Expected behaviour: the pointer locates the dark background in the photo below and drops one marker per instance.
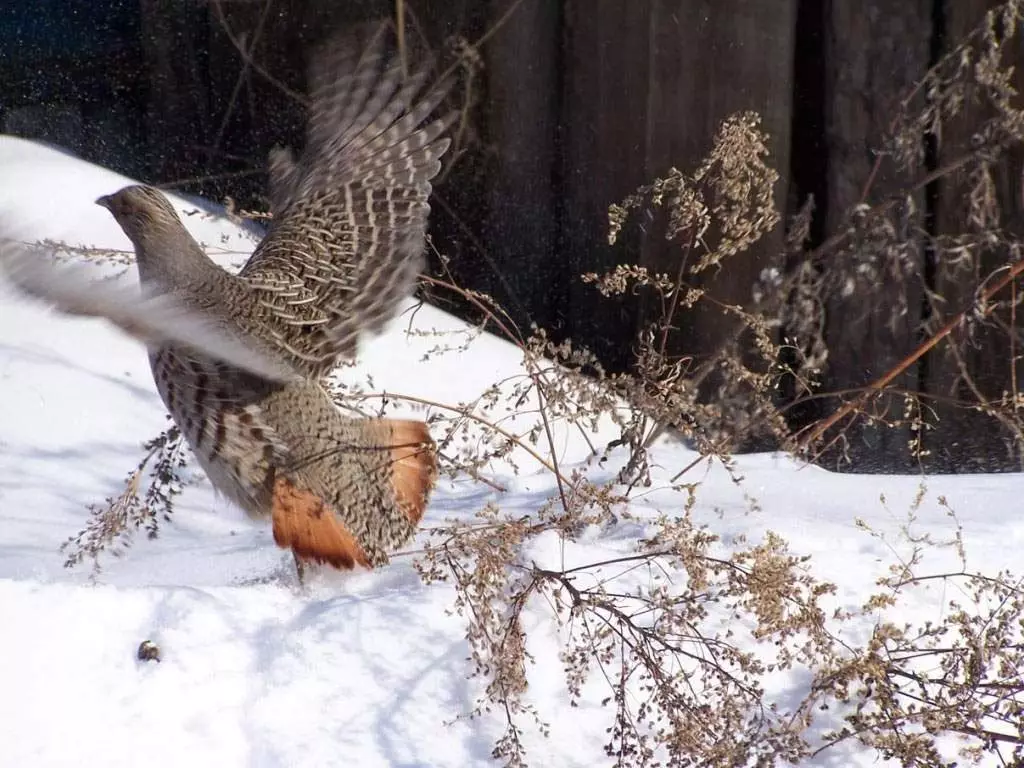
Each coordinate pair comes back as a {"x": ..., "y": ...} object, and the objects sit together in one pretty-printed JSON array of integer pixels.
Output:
[{"x": 576, "y": 104}]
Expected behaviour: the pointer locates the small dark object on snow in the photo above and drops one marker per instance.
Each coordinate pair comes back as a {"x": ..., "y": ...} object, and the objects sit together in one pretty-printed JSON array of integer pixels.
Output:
[{"x": 148, "y": 651}]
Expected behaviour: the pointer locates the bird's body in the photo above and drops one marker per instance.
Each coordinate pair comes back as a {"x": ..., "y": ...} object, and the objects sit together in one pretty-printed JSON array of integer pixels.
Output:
[
  {"x": 340, "y": 490},
  {"x": 344, "y": 248}
]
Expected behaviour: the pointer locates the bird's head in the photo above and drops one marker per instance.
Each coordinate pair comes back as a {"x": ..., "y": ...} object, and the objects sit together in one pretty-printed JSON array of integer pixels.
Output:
[
  {"x": 141, "y": 211},
  {"x": 164, "y": 249}
]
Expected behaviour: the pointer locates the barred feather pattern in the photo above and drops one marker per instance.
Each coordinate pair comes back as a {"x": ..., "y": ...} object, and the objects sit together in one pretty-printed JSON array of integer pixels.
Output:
[
  {"x": 370, "y": 473},
  {"x": 368, "y": 477},
  {"x": 345, "y": 246},
  {"x": 218, "y": 411},
  {"x": 350, "y": 215}
]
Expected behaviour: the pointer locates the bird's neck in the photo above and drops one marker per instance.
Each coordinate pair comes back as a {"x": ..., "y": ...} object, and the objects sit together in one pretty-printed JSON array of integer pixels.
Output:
[{"x": 173, "y": 261}]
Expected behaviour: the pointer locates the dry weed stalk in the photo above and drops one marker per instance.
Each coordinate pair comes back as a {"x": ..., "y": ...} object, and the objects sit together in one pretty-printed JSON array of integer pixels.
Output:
[
  {"x": 958, "y": 249},
  {"x": 723, "y": 209},
  {"x": 677, "y": 637},
  {"x": 148, "y": 495}
]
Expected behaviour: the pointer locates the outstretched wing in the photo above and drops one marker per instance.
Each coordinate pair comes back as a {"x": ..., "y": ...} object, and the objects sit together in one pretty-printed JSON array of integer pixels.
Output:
[
  {"x": 153, "y": 319},
  {"x": 350, "y": 214}
]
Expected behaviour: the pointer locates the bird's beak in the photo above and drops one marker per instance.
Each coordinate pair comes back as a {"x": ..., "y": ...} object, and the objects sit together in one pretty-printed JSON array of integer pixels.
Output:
[{"x": 104, "y": 201}]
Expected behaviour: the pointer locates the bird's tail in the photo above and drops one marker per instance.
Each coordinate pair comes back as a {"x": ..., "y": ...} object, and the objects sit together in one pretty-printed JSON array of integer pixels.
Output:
[{"x": 356, "y": 502}]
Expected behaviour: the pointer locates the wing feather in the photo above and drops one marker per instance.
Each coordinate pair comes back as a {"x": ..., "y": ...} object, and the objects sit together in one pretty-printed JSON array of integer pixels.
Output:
[
  {"x": 350, "y": 214},
  {"x": 153, "y": 319}
]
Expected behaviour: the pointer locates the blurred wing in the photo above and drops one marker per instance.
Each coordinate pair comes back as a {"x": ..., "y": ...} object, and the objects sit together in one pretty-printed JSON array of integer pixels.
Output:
[
  {"x": 283, "y": 173},
  {"x": 350, "y": 215},
  {"x": 153, "y": 320}
]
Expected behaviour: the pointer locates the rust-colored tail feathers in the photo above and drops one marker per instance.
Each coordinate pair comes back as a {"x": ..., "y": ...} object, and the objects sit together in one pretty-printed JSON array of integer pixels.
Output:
[
  {"x": 414, "y": 464},
  {"x": 314, "y": 530}
]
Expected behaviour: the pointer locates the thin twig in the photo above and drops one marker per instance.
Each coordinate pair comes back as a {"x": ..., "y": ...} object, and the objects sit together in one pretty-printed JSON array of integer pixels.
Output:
[{"x": 983, "y": 307}]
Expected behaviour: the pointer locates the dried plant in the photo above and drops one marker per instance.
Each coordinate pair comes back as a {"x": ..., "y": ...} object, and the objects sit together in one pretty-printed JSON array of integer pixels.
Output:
[
  {"x": 678, "y": 636},
  {"x": 148, "y": 496},
  {"x": 948, "y": 261},
  {"x": 723, "y": 209}
]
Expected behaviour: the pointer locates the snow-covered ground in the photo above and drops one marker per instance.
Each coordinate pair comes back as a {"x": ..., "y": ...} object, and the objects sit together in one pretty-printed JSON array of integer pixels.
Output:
[{"x": 361, "y": 668}]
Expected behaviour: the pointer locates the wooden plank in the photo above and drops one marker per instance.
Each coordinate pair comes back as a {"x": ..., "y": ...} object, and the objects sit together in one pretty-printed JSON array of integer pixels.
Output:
[
  {"x": 647, "y": 86},
  {"x": 966, "y": 440},
  {"x": 606, "y": 72},
  {"x": 876, "y": 50},
  {"x": 712, "y": 59},
  {"x": 522, "y": 60}
]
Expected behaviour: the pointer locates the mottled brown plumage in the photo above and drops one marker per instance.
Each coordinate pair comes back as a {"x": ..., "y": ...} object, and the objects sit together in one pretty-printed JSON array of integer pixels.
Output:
[{"x": 345, "y": 246}]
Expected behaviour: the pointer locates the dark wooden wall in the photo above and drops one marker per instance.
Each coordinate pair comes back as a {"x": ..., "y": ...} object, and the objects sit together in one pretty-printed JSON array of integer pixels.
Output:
[
  {"x": 874, "y": 53},
  {"x": 578, "y": 102}
]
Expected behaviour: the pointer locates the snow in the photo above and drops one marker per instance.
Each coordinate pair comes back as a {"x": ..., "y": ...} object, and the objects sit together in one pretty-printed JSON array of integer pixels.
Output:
[{"x": 358, "y": 668}]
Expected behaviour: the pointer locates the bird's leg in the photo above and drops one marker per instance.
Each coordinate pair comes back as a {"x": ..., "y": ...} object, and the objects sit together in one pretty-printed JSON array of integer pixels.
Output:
[{"x": 300, "y": 569}]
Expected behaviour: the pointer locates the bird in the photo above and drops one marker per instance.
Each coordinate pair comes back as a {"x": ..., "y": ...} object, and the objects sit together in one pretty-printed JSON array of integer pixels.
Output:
[{"x": 240, "y": 360}]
